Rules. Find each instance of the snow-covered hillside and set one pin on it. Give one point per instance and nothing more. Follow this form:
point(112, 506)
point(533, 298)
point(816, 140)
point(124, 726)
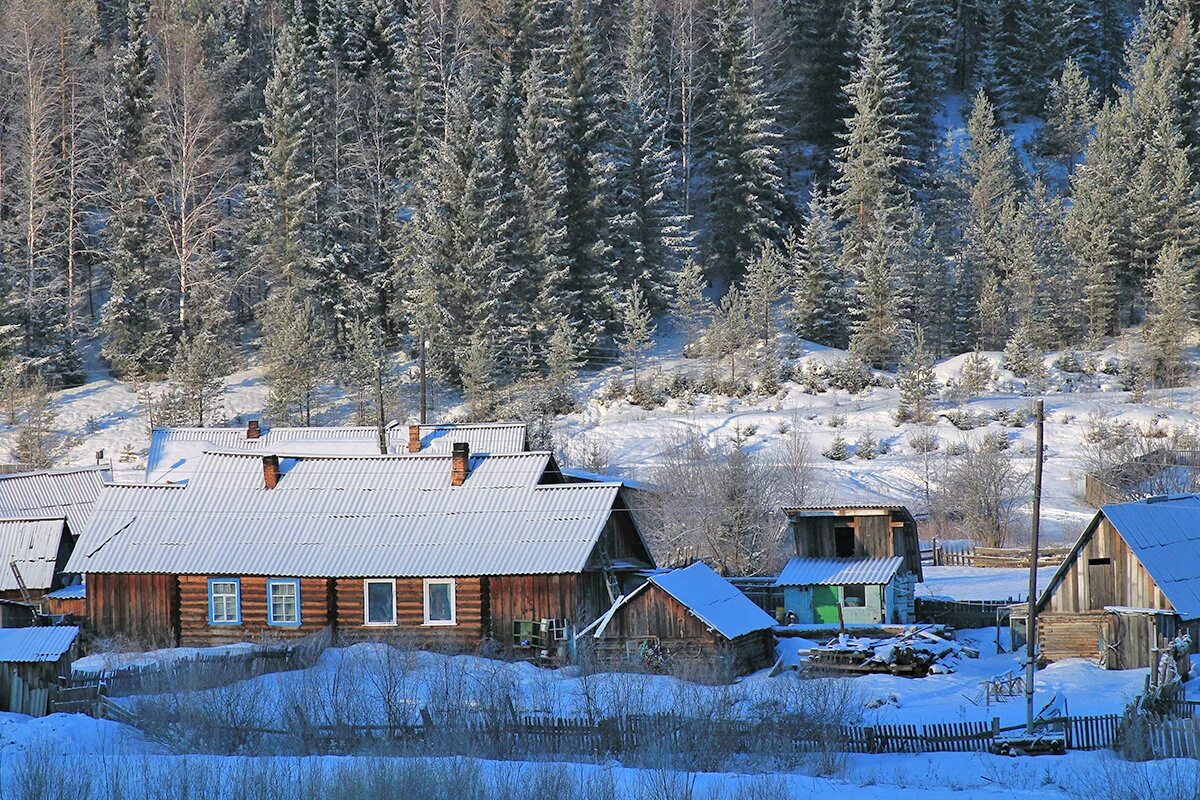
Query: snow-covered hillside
point(109, 415)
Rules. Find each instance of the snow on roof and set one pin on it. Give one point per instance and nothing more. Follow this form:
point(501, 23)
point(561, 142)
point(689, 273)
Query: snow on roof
point(331, 532)
point(840, 508)
point(33, 545)
point(243, 470)
point(174, 452)
point(52, 493)
point(495, 438)
point(715, 601)
point(838, 572)
point(36, 645)
point(584, 476)
point(1164, 533)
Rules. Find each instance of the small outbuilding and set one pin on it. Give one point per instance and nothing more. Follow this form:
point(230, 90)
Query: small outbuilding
point(686, 616)
point(31, 661)
point(856, 532)
point(1130, 583)
point(857, 592)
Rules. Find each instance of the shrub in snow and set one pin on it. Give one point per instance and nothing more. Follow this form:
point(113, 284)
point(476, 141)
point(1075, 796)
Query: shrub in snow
point(963, 420)
point(811, 378)
point(957, 448)
point(977, 374)
point(994, 441)
point(612, 390)
point(1069, 362)
point(850, 375)
point(838, 450)
point(884, 447)
point(1012, 417)
point(924, 441)
point(866, 447)
point(836, 421)
point(784, 427)
point(645, 394)
point(750, 430)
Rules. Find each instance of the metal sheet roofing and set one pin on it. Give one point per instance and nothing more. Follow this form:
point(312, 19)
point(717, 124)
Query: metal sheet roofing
point(242, 469)
point(715, 601)
point(36, 645)
point(493, 437)
point(1164, 533)
point(54, 492)
point(33, 544)
point(838, 572)
point(344, 532)
point(175, 452)
point(77, 591)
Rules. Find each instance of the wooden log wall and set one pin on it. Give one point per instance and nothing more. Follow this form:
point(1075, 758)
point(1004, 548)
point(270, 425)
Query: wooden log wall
point(141, 607)
point(410, 624)
point(1069, 635)
point(195, 630)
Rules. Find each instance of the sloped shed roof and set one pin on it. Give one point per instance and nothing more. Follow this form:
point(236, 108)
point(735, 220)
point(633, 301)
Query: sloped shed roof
point(33, 544)
point(52, 493)
point(1164, 534)
point(715, 601)
point(838, 572)
point(36, 645)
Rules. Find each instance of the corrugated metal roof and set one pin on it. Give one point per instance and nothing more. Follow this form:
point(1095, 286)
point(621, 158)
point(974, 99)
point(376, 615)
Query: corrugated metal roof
point(36, 645)
point(69, 492)
point(836, 507)
point(345, 532)
point(244, 470)
point(76, 592)
point(174, 452)
point(33, 544)
point(838, 572)
point(715, 601)
point(1164, 533)
point(584, 476)
point(492, 437)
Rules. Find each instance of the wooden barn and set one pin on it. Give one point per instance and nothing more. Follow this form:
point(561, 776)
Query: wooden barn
point(31, 662)
point(869, 591)
point(41, 513)
point(1130, 581)
point(444, 550)
point(690, 615)
point(856, 532)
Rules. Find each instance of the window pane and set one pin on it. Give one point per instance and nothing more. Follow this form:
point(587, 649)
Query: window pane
point(381, 606)
point(283, 603)
point(224, 601)
point(439, 602)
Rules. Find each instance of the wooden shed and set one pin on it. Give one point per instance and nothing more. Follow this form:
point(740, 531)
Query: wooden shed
point(869, 591)
point(856, 532)
point(31, 661)
point(1131, 580)
point(690, 615)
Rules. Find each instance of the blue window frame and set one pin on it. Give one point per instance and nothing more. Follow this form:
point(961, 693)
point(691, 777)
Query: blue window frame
point(224, 601)
point(283, 601)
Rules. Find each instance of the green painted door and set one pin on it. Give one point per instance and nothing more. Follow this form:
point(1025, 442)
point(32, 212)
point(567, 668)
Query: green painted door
point(825, 603)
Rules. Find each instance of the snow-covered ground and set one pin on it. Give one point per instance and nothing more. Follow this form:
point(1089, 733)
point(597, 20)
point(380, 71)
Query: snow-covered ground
point(108, 414)
point(980, 583)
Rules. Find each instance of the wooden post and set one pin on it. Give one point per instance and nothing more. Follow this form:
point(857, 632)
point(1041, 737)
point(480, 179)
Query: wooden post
point(1031, 631)
point(421, 371)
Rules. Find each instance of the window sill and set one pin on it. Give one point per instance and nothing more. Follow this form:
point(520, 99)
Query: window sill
point(283, 624)
point(224, 624)
point(379, 625)
point(442, 624)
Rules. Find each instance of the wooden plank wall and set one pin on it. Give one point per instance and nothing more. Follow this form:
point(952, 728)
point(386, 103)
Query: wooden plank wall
point(1132, 585)
point(1069, 635)
point(410, 614)
point(57, 606)
point(194, 630)
point(580, 598)
point(141, 607)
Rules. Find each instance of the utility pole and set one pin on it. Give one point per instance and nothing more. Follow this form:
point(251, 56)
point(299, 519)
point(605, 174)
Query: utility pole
point(421, 370)
point(1031, 625)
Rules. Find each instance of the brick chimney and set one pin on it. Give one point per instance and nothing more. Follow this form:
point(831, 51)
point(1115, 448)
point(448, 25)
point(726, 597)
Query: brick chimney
point(414, 438)
point(252, 431)
point(460, 458)
point(270, 471)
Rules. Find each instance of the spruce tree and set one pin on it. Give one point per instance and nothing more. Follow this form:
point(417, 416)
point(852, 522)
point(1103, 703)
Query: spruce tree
point(729, 333)
point(636, 336)
point(652, 241)
point(764, 286)
point(690, 306)
point(744, 175)
point(1170, 320)
point(817, 311)
point(197, 379)
point(917, 382)
point(296, 361)
point(1070, 112)
point(138, 317)
point(876, 330)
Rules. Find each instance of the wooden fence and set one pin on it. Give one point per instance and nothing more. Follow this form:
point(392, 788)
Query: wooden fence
point(965, 554)
point(204, 671)
point(963, 614)
point(20, 697)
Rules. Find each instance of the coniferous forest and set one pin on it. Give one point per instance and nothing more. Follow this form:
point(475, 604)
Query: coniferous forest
point(526, 185)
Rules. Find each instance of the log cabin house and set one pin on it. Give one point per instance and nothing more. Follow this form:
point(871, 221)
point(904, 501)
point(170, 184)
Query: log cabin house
point(690, 616)
point(41, 514)
point(443, 550)
point(1130, 581)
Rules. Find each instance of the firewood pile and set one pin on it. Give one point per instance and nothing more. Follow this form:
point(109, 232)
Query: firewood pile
point(915, 653)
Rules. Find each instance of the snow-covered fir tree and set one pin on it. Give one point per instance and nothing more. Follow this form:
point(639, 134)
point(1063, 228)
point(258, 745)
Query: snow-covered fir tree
point(817, 310)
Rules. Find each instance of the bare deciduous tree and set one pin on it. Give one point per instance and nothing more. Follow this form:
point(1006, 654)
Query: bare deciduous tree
point(981, 494)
